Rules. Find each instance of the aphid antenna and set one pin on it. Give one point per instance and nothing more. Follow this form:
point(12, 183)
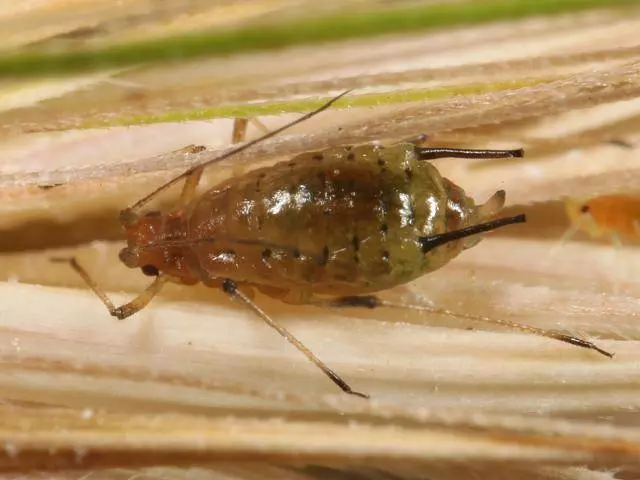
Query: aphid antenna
point(433, 153)
point(433, 241)
point(129, 212)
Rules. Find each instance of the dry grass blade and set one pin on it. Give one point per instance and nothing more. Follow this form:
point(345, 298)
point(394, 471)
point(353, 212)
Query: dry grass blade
point(83, 440)
point(196, 387)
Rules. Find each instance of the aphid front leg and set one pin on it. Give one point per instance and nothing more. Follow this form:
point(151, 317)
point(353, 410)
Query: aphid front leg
point(231, 288)
point(190, 186)
point(372, 301)
point(194, 175)
point(128, 309)
point(239, 132)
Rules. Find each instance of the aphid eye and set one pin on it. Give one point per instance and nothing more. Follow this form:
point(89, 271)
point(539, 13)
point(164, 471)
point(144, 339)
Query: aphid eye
point(584, 209)
point(150, 271)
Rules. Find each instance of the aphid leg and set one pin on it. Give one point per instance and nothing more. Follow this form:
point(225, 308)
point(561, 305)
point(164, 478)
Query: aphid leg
point(239, 130)
point(240, 126)
point(616, 240)
point(259, 125)
point(230, 287)
point(130, 212)
point(438, 152)
point(553, 251)
point(195, 174)
point(371, 301)
point(617, 248)
point(190, 185)
point(123, 311)
point(433, 241)
point(239, 135)
point(192, 148)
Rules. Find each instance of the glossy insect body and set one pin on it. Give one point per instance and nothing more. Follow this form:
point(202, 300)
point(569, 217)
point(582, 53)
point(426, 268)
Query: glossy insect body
point(340, 223)
point(614, 216)
point(343, 221)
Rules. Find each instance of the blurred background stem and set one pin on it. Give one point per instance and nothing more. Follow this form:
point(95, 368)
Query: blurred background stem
point(356, 22)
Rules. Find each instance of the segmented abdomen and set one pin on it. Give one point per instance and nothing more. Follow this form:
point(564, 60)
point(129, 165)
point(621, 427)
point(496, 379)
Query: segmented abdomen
point(335, 224)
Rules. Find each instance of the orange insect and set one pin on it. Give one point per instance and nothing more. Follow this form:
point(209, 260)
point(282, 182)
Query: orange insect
point(327, 228)
point(614, 216)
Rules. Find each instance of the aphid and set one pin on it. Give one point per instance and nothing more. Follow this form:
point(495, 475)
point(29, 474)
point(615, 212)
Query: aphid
point(328, 228)
point(613, 216)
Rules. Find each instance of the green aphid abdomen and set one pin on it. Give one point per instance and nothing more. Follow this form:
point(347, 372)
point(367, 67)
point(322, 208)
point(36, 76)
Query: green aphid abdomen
point(340, 221)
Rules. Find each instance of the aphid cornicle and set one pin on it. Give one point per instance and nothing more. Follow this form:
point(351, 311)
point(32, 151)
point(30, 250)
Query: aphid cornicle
point(327, 228)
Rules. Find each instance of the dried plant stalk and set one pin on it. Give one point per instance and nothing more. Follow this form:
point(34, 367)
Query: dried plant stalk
point(196, 387)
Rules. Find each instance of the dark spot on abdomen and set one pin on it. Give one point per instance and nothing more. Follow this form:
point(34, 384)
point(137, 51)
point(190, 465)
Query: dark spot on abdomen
point(355, 241)
point(408, 173)
point(325, 256)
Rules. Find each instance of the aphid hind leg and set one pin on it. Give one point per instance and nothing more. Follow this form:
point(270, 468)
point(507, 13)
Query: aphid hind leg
point(123, 311)
point(372, 301)
point(231, 288)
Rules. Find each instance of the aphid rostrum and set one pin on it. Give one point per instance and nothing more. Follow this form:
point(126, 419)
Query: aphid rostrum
point(327, 228)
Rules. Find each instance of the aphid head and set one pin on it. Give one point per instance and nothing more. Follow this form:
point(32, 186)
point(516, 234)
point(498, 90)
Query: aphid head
point(579, 212)
point(142, 232)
